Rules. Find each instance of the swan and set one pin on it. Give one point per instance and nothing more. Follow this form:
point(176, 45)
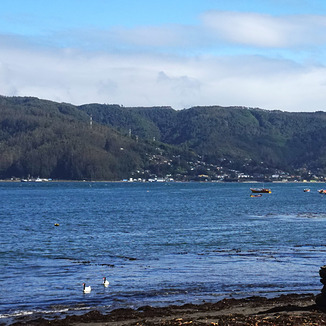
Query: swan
point(86, 289)
point(105, 282)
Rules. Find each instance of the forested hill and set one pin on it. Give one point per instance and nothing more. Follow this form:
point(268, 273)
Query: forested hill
point(281, 140)
point(45, 139)
point(57, 140)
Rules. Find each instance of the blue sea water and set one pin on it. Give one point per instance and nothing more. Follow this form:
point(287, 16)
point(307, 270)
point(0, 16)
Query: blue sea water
point(157, 244)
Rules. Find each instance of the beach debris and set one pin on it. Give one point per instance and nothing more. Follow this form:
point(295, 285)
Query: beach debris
point(321, 297)
point(86, 289)
point(105, 282)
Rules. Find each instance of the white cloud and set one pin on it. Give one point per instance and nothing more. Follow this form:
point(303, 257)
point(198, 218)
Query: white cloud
point(261, 30)
point(215, 29)
point(143, 77)
point(136, 80)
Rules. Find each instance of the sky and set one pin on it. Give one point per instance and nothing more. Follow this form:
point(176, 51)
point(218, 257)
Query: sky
point(269, 54)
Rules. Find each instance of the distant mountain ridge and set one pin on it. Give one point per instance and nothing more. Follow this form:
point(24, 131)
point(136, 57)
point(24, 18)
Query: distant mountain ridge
point(48, 139)
point(280, 139)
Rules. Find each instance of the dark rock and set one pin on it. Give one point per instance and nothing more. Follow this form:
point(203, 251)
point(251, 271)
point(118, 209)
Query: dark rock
point(320, 300)
point(322, 273)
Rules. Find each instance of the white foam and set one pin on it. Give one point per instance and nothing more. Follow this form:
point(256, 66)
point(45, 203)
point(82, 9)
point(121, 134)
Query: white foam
point(17, 314)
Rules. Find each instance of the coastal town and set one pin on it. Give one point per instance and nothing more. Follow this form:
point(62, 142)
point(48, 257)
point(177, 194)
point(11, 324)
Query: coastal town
point(162, 169)
point(176, 169)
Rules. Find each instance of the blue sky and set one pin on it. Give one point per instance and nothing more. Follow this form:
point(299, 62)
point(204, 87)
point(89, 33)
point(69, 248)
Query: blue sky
point(267, 53)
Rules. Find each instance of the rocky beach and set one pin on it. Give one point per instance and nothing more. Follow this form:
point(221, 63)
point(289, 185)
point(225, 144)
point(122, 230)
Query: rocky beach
point(291, 309)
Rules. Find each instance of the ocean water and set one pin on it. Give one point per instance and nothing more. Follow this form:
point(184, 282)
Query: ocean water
point(157, 244)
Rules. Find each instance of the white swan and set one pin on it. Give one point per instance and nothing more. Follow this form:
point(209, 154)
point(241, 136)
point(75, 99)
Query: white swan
point(86, 289)
point(105, 282)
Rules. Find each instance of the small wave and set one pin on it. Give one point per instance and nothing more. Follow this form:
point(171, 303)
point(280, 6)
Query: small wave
point(312, 215)
point(31, 314)
point(16, 314)
point(22, 313)
point(294, 215)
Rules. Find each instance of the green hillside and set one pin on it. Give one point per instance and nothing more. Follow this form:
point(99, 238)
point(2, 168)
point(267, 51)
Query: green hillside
point(281, 140)
point(56, 140)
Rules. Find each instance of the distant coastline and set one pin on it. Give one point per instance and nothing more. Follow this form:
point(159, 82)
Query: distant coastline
point(203, 143)
point(146, 181)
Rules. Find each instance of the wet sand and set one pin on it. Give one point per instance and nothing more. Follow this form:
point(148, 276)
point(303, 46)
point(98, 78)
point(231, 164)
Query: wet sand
point(293, 309)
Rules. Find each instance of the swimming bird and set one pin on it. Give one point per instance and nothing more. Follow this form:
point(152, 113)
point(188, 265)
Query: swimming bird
point(86, 289)
point(105, 282)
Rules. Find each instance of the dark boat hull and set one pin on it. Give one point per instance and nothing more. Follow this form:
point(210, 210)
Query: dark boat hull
point(261, 191)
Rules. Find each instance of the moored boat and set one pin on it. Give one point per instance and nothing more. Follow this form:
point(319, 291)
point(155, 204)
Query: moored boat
point(306, 190)
point(261, 190)
point(322, 191)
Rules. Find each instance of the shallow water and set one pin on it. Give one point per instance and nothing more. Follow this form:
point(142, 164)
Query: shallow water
point(157, 243)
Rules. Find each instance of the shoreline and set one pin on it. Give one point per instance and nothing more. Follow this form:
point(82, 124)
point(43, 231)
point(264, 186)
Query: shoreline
point(162, 182)
point(289, 309)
